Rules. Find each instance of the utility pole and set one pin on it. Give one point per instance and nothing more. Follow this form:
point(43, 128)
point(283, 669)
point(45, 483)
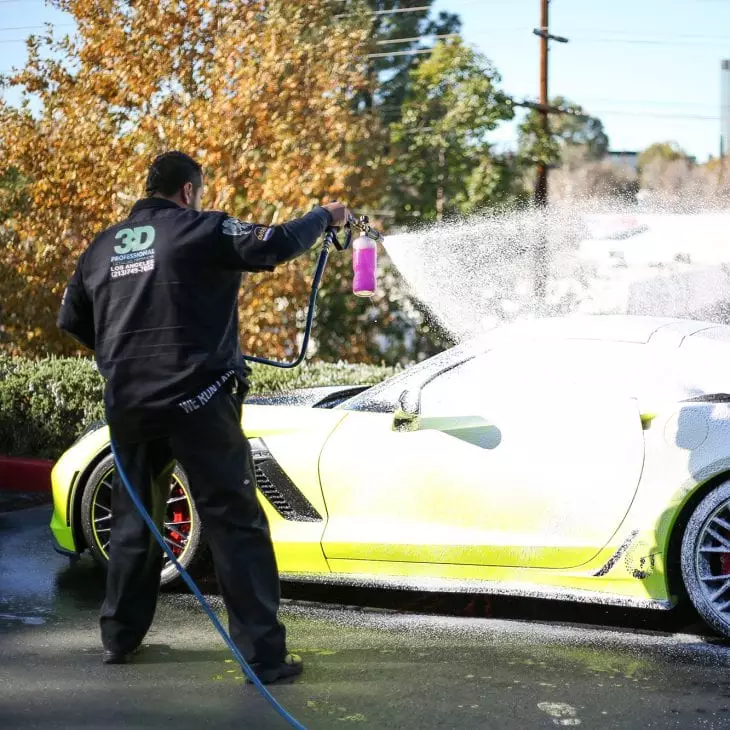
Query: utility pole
point(440, 189)
point(541, 189)
point(541, 181)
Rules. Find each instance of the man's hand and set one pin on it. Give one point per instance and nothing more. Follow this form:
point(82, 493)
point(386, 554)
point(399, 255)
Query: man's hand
point(339, 213)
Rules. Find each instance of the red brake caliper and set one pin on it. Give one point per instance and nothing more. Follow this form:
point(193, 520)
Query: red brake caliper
point(179, 516)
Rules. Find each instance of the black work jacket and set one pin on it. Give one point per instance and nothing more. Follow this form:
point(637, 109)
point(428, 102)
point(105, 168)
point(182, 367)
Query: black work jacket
point(155, 297)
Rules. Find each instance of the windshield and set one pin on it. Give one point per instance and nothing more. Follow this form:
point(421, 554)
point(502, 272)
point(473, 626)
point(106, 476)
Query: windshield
point(383, 397)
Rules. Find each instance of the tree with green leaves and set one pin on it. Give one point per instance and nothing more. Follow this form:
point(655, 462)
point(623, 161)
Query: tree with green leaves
point(575, 136)
point(665, 168)
point(661, 152)
point(390, 326)
point(391, 72)
point(441, 159)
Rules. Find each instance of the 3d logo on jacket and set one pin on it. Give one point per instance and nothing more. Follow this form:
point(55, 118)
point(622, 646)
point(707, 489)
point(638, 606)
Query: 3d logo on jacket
point(134, 239)
point(135, 255)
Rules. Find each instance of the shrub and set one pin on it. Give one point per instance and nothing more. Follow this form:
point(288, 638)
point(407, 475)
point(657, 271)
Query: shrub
point(46, 403)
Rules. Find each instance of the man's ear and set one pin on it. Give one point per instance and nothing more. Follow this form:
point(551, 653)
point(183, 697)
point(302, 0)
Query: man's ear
point(187, 193)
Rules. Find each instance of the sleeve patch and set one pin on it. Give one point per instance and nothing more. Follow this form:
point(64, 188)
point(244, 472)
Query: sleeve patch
point(236, 227)
point(263, 233)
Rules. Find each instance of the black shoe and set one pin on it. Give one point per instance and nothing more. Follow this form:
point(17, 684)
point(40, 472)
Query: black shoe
point(291, 666)
point(113, 657)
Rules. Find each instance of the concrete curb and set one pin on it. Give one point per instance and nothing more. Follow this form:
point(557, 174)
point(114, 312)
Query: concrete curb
point(25, 475)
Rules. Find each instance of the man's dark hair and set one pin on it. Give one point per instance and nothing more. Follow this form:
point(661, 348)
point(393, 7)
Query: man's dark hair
point(170, 171)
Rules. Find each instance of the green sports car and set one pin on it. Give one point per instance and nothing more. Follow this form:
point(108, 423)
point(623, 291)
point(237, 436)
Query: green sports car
point(583, 458)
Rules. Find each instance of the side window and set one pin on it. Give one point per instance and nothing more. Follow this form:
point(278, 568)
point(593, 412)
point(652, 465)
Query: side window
point(476, 386)
point(515, 375)
point(457, 391)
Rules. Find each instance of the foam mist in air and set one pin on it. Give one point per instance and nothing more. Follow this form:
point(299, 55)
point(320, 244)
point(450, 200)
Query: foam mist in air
point(582, 258)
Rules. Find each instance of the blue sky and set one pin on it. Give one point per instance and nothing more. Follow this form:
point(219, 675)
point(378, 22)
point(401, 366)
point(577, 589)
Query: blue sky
point(650, 69)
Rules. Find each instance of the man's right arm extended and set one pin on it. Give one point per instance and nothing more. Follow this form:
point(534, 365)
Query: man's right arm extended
point(253, 247)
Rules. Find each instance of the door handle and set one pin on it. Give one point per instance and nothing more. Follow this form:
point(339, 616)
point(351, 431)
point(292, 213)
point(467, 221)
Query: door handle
point(472, 429)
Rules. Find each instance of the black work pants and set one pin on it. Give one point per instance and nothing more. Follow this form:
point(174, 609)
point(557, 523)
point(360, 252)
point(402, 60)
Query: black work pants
point(216, 456)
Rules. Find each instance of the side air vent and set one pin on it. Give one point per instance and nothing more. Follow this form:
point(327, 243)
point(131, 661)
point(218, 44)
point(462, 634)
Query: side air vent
point(276, 486)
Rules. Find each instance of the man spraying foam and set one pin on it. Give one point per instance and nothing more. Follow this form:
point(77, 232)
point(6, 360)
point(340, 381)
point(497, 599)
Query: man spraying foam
point(155, 297)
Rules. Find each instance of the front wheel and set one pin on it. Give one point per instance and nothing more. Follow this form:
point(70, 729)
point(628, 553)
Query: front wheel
point(706, 559)
point(181, 528)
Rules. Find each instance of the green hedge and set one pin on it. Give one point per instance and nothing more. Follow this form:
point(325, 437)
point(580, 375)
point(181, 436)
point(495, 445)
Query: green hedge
point(45, 404)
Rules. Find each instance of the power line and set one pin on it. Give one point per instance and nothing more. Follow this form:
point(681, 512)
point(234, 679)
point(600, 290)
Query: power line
point(665, 36)
point(692, 41)
point(387, 54)
point(413, 52)
point(417, 38)
point(606, 99)
point(649, 41)
point(659, 115)
point(33, 27)
point(417, 9)
point(376, 55)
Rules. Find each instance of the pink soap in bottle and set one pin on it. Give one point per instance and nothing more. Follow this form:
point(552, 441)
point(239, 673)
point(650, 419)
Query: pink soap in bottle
point(364, 266)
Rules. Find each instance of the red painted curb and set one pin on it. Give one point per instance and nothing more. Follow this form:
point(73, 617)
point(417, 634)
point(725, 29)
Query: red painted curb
point(25, 475)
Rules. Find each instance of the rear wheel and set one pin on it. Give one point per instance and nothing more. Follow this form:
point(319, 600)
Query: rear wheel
point(706, 559)
point(181, 528)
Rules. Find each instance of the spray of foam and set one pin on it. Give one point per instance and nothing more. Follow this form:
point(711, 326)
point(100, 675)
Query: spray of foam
point(584, 257)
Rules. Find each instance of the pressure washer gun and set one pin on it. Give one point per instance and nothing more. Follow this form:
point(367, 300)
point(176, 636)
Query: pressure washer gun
point(364, 252)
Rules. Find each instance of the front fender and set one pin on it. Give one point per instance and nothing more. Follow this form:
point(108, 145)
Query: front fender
point(67, 477)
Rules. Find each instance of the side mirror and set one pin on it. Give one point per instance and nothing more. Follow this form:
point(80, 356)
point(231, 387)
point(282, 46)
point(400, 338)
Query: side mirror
point(408, 412)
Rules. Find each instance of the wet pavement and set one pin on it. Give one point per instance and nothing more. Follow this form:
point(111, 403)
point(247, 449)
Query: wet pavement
point(429, 667)
point(10, 501)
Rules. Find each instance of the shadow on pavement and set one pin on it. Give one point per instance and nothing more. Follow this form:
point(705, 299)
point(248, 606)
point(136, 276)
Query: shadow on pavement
point(81, 585)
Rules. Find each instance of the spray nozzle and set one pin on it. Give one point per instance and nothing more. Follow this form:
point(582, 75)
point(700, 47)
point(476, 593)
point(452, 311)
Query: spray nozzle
point(362, 224)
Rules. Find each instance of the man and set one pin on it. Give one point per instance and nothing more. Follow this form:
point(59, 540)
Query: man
point(155, 297)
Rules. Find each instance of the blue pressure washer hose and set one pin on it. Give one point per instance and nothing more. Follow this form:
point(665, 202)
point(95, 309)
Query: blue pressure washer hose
point(293, 722)
point(329, 239)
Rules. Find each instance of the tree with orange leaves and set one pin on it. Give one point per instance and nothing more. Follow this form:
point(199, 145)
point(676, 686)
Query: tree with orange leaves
point(260, 92)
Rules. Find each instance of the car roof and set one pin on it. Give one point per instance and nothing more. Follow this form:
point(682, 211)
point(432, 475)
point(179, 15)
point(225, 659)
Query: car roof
point(698, 363)
point(662, 332)
point(603, 327)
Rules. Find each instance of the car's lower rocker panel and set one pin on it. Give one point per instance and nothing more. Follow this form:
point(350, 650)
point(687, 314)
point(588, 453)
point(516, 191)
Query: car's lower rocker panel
point(497, 588)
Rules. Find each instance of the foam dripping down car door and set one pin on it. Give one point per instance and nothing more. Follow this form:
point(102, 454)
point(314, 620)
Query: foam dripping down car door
point(502, 470)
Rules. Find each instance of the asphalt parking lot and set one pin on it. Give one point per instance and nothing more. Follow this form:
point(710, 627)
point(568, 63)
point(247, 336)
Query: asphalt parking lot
point(372, 660)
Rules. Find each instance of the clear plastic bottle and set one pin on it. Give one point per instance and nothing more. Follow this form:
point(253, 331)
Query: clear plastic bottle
point(364, 266)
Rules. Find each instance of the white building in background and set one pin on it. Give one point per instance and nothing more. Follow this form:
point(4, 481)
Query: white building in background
point(725, 108)
point(624, 158)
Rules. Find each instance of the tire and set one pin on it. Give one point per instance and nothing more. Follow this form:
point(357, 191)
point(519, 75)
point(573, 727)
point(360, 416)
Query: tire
point(95, 515)
point(705, 559)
